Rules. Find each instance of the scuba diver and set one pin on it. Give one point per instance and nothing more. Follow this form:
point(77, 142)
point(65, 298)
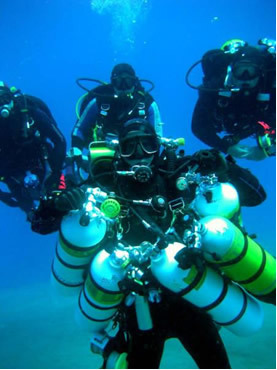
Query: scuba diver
point(102, 111)
point(32, 149)
point(237, 99)
point(154, 199)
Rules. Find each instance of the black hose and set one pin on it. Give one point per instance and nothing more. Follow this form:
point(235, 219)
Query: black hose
point(88, 79)
point(200, 87)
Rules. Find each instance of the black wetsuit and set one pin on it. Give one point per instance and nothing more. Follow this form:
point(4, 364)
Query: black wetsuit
point(173, 318)
point(221, 122)
point(103, 109)
point(222, 117)
point(38, 147)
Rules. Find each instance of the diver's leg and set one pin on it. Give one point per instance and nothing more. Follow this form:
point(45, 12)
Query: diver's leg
point(145, 350)
point(201, 339)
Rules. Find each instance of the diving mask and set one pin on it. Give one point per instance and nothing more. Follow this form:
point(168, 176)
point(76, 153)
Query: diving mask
point(147, 144)
point(245, 71)
point(124, 82)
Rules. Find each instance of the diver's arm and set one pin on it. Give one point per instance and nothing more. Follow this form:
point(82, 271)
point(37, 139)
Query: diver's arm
point(82, 130)
point(37, 102)
point(50, 134)
point(202, 124)
point(50, 131)
point(266, 138)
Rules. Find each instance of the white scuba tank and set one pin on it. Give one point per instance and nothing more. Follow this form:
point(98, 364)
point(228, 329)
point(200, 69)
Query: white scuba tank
point(238, 255)
point(220, 199)
point(101, 296)
point(76, 244)
point(227, 303)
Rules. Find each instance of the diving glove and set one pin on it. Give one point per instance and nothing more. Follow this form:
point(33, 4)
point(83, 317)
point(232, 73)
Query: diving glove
point(187, 257)
point(68, 200)
point(211, 161)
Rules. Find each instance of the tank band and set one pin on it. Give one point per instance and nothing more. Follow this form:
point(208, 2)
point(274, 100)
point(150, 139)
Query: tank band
point(89, 317)
point(193, 284)
point(73, 247)
point(92, 304)
point(258, 273)
point(73, 267)
point(219, 299)
point(242, 312)
point(64, 283)
point(238, 258)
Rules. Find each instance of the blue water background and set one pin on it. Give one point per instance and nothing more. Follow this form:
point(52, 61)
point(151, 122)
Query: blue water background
point(47, 44)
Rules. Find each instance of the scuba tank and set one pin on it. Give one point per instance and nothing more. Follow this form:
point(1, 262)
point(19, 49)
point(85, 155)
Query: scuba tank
point(216, 198)
point(99, 301)
point(238, 256)
point(98, 160)
point(101, 296)
point(111, 278)
point(80, 233)
point(117, 361)
point(101, 155)
point(211, 196)
point(228, 304)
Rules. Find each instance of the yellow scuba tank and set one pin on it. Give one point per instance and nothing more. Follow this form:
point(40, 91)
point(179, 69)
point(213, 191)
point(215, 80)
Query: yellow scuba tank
point(238, 256)
point(227, 303)
point(79, 236)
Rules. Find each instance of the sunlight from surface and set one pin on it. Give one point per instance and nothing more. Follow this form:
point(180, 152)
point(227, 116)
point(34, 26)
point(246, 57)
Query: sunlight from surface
point(124, 14)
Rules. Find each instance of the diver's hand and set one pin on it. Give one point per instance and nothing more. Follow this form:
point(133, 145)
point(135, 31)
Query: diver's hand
point(187, 257)
point(68, 200)
point(211, 161)
point(253, 153)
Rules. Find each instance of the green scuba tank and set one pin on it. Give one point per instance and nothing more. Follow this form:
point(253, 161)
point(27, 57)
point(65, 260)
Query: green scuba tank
point(100, 157)
point(238, 256)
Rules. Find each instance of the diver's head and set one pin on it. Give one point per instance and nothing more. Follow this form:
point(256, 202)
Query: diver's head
point(6, 102)
point(123, 79)
point(246, 70)
point(139, 148)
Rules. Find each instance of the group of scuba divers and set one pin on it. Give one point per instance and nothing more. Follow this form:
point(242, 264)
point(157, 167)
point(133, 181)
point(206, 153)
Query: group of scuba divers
point(150, 240)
